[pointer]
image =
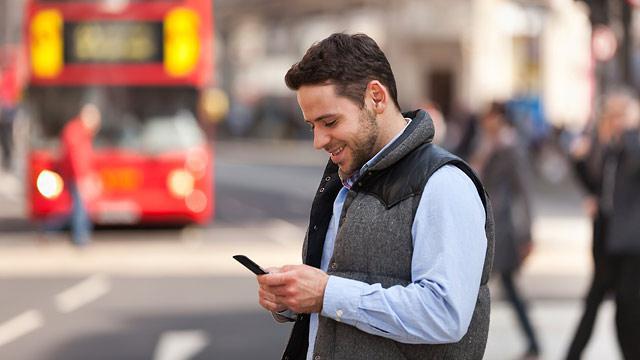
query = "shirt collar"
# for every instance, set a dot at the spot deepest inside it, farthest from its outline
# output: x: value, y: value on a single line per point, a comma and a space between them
x: 348, y: 182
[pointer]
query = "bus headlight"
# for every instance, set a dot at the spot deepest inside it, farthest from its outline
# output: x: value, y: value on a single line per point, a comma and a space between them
x: 49, y: 184
x: 180, y: 183
x: 196, y: 201
x: 46, y: 44
x: 181, y: 42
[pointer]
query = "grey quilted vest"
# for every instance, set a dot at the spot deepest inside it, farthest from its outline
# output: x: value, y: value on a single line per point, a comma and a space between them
x: 374, y: 245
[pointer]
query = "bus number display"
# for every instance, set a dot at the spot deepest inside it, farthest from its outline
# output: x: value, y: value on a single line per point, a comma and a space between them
x: 111, y: 42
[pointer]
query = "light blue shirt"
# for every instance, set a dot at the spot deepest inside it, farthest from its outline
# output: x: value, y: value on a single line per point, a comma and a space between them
x: 449, y: 245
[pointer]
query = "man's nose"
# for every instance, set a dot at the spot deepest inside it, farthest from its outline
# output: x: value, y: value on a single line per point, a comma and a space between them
x: 320, y: 138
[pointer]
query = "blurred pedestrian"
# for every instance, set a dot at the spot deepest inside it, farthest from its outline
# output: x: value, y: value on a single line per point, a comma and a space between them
x: 586, y: 153
x: 9, y: 100
x: 498, y: 160
x: 620, y: 205
x: 439, y: 123
x: 78, y: 170
x: 400, y: 240
x: 467, y: 123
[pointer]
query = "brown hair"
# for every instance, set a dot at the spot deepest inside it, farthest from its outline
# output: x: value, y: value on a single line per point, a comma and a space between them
x: 349, y: 62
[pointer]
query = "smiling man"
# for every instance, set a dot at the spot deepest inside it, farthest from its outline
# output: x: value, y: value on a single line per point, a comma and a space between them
x: 398, y: 251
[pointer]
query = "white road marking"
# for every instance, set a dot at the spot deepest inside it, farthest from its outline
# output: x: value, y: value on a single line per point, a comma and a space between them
x: 83, y: 293
x: 180, y: 345
x: 19, y: 326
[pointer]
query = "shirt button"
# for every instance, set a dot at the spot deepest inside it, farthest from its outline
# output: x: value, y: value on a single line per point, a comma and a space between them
x: 315, y: 227
x: 339, y: 315
x: 334, y: 266
x: 317, y: 357
x: 327, y: 178
x: 321, y: 189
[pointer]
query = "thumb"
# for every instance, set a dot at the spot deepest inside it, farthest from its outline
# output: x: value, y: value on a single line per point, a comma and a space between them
x: 288, y: 268
x: 274, y: 269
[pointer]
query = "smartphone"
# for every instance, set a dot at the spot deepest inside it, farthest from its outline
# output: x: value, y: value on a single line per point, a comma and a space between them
x: 249, y: 264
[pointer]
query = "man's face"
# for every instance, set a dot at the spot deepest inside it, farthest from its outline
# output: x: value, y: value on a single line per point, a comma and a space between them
x: 349, y: 134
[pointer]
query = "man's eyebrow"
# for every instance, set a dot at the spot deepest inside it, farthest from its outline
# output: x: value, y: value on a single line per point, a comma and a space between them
x: 320, y: 118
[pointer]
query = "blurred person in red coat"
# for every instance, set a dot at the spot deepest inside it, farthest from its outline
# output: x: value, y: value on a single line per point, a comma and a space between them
x: 78, y: 170
x: 9, y: 100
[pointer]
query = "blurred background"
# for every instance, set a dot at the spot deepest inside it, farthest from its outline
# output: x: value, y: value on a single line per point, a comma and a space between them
x: 202, y: 154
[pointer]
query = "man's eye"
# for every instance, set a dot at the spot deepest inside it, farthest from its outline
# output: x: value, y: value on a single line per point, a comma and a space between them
x: 330, y: 123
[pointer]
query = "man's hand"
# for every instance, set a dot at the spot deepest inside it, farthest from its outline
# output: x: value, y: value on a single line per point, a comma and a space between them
x: 590, y: 205
x: 299, y: 288
x: 266, y: 296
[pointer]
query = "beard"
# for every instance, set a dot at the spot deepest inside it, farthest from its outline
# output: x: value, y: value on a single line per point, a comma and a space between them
x: 364, y: 145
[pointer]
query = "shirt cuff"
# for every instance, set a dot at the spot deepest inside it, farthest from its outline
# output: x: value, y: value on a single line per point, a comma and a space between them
x: 342, y: 299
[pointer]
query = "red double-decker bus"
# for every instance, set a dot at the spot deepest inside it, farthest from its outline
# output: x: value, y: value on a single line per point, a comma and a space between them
x: 145, y: 64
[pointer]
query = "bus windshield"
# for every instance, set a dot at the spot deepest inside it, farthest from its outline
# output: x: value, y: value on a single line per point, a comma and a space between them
x: 147, y: 120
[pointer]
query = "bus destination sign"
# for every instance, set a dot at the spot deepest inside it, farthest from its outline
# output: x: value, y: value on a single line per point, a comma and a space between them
x: 113, y: 42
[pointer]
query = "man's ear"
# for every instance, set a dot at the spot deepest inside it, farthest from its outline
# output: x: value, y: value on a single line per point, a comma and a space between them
x: 378, y: 95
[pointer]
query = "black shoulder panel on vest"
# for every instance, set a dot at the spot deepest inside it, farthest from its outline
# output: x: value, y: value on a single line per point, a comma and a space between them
x: 408, y: 177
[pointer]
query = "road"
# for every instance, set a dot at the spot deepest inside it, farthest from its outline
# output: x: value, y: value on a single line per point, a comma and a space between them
x: 174, y: 294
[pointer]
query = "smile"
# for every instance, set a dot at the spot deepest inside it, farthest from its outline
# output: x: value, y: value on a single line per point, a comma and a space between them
x: 337, y: 151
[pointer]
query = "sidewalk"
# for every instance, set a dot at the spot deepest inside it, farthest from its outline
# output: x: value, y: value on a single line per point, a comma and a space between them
x: 558, y: 269
x: 192, y: 251
x: 555, y: 322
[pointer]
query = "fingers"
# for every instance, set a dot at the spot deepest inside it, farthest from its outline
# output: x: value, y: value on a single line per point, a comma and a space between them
x: 274, y: 279
x: 271, y: 287
x: 270, y: 301
x: 277, y: 291
x: 274, y: 269
x: 270, y: 305
x: 288, y: 268
x: 299, y: 288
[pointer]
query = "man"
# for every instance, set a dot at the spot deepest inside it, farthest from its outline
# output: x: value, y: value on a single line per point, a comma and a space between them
x: 77, y: 169
x: 618, y: 179
x: 586, y: 153
x: 398, y: 251
x: 498, y: 159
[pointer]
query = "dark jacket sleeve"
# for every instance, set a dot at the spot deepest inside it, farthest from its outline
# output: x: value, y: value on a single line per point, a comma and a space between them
x: 588, y: 169
x: 521, y: 191
x: 630, y: 147
x: 585, y: 176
